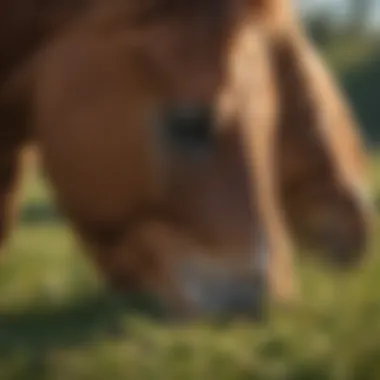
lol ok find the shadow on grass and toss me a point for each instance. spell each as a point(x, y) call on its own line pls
point(81, 322)
point(84, 321)
point(40, 212)
point(38, 332)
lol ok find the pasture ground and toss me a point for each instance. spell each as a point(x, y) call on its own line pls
point(56, 323)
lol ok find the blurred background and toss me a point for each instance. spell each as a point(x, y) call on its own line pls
point(347, 32)
point(57, 323)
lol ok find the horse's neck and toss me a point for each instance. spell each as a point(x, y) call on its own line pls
point(26, 24)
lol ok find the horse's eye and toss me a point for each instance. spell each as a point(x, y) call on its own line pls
point(189, 127)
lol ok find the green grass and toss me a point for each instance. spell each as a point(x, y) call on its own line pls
point(57, 323)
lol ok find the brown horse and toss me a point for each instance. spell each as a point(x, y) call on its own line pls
point(157, 125)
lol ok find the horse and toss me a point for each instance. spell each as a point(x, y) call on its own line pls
point(176, 148)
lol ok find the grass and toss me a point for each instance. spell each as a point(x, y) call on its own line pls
point(57, 323)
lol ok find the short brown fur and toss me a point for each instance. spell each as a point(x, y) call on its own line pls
point(136, 206)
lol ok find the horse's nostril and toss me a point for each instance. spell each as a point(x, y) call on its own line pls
point(189, 127)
